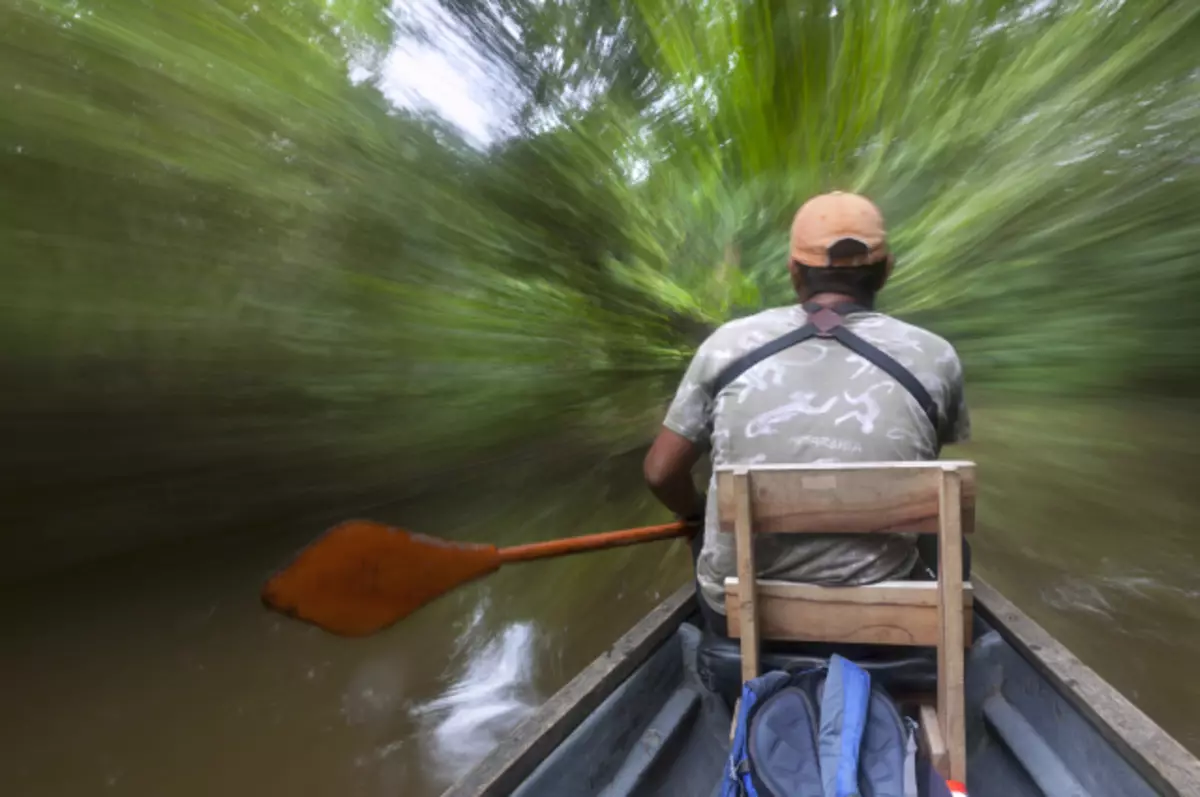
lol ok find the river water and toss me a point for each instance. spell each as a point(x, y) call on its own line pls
point(159, 673)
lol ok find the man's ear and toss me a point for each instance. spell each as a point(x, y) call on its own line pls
point(887, 270)
point(797, 277)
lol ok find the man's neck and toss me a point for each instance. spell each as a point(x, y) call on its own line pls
point(832, 299)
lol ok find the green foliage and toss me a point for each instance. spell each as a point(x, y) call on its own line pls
point(1033, 164)
point(1033, 159)
point(229, 249)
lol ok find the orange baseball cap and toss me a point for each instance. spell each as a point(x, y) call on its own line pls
point(838, 229)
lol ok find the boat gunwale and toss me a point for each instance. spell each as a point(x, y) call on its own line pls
point(1166, 764)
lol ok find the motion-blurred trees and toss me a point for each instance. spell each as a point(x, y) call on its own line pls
point(241, 285)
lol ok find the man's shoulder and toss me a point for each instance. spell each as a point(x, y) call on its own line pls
point(739, 335)
point(776, 320)
point(889, 327)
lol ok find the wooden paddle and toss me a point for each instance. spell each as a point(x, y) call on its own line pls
point(362, 576)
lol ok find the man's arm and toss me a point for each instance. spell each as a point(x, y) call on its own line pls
point(684, 435)
point(668, 471)
point(959, 417)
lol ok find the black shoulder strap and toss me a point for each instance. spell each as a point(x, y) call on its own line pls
point(753, 357)
point(886, 363)
point(827, 323)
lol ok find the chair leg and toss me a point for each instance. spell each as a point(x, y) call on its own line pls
point(951, 705)
point(931, 742)
point(747, 587)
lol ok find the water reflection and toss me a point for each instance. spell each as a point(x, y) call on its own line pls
point(493, 694)
point(1077, 594)
point(375, 692)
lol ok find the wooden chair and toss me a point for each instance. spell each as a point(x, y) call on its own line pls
point(855, 498)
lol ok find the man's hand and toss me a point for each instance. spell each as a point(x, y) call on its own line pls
point(668, 471)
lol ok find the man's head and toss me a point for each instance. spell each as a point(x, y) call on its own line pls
point(839, 246)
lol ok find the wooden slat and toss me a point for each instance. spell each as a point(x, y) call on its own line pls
point(898, 593)
point(748, 605)
point(1169, 767)
point(930, 740)
point(951, 703)
point(854, 498)
point(519, 752)
point(891, 613)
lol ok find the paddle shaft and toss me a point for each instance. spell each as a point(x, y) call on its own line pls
point(593, 542)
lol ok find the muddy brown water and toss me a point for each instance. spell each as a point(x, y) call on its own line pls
point(161, 674)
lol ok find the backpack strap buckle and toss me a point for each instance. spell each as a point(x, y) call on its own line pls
point(825, 320)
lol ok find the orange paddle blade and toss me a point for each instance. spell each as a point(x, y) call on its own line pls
point(362, 576)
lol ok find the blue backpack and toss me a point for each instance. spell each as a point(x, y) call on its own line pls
point(857, 744)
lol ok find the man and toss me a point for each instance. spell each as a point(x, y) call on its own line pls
point(847, 384)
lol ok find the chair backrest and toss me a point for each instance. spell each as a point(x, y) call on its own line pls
point(854, 498)
point(935, 497)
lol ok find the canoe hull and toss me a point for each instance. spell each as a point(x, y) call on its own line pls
point(639, 721)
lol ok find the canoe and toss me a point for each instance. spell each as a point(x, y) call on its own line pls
point(646, 718)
